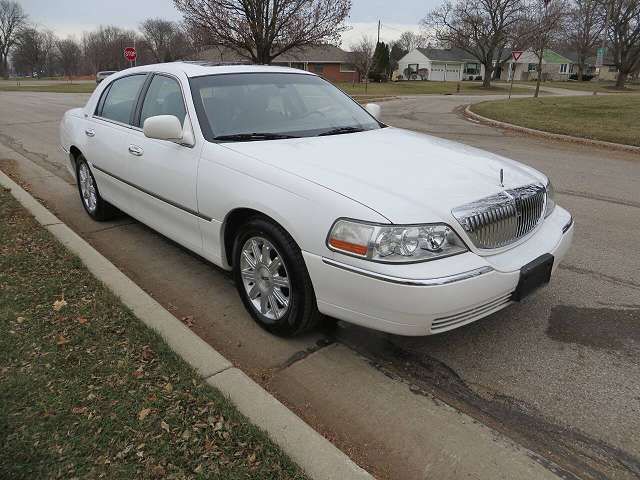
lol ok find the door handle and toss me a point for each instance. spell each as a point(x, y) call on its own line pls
point(135, 150)
point(90, 132)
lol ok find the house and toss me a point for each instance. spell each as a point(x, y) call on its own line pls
point(554, 67)
point(439, 64)
point(328, 61)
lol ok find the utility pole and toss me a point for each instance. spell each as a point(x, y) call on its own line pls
point(379, 27)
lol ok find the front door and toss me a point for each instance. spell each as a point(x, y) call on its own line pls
point(108, 136)
point(165, 172)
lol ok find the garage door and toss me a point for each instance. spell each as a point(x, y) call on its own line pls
point(452, 73)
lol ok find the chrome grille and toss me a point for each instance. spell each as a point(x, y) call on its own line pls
point(452, 321)
point(501, 219)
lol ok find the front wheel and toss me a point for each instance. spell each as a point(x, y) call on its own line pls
point(272, 279)
point(97, 208)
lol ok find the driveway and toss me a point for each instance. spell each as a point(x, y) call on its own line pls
point(558, 374)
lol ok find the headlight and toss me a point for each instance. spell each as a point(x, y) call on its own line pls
point(551, 199)
point(394, 243)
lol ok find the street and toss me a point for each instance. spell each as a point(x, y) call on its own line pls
point(558, 374)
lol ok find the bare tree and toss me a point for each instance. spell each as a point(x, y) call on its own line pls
point(410, 41)
point(585, 27)
point(103, 48)
point(624, 36)
point(362, 56)
point(29, 54)
point(164, 39)
point(545, 19)
point(69, 56)
point(479, 27)
point(12, 20)
point(261, 30)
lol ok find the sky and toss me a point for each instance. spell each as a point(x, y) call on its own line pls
point(72, 17)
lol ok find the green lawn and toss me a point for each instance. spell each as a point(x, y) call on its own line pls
point(586, 86)
point(87, 391)
point(612, 118)
point(426, 88)
point(51, 88)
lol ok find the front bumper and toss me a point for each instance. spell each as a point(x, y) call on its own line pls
point(431, 297)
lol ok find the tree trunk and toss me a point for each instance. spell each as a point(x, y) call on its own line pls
point(621, 80)
point(537, 94)
point(580, 72)
point(488, 71)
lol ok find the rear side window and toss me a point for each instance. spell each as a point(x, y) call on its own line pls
point(164, 97)
point(121, 98)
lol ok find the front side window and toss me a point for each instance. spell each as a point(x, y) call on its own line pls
point(274, 104)
point(164, 97)
point(121, 98)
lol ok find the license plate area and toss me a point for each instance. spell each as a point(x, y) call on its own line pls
point(534, 275)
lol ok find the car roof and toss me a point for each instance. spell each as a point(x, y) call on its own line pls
point(202, 68)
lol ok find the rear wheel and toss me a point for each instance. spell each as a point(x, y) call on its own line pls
point(272, 279)
point(97, 208)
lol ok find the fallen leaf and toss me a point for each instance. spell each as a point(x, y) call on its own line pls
point(59, 304)
point(158, 471)
point(252, 458)
point(78, 410)
point(82, 320)
point(143, 413)
point(147, 353)
point(138, 373)
point(165, 426)
point(168, 388)
point(62, 340)
point(188, 321)
point(20, 319)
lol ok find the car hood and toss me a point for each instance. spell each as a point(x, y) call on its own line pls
point(407, 177)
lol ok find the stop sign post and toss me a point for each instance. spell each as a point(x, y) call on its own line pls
point(130, 54)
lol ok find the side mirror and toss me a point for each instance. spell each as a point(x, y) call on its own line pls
point(163, 127)
point(374, 109)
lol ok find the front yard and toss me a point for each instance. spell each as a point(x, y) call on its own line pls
point(86, 391)
point(603, 87)
point(84, 87)
point(612, 118)
point(426, 88)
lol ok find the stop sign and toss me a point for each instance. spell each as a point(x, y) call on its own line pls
point(130, 54)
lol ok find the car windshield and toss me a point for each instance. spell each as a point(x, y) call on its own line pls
point(271, 106)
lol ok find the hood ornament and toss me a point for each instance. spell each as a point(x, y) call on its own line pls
point(502, 177)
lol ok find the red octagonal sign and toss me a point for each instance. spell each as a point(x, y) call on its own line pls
point(130, 54)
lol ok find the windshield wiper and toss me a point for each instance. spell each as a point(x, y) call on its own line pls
point(248, 137)
point(341, 130)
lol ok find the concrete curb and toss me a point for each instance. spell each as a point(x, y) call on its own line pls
point(319, 458)
point(555, 136)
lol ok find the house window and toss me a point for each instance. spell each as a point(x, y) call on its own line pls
point(347, 68)
point(564, 68)
point(532, 67)
point(318, 68)
point(472, 69)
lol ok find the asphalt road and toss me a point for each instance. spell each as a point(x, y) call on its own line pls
point(559, 373)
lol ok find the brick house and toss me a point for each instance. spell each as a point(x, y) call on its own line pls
point(328, 61)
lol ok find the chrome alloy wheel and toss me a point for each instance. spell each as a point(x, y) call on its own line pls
point(87, 188)
point(265, 278)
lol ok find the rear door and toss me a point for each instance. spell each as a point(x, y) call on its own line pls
point(165, 172)
point(108, 138)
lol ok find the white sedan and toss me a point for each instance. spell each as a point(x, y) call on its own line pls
point(315, 205)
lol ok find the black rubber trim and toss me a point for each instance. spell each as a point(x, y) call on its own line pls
point(158, 197)
point(566, 228)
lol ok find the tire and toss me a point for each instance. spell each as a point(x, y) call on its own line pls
point(272, 279)
point(97, 207)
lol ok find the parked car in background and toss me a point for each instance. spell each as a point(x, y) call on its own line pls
point(315, 205)
point(100, 76)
